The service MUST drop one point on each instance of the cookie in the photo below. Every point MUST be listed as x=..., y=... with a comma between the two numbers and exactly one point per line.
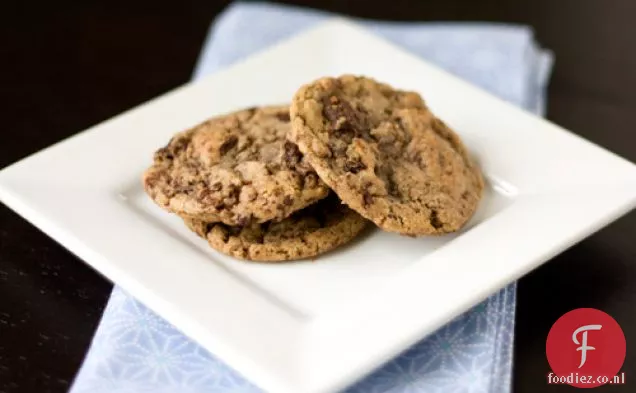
x=314, y=230
x=386, y=155
x=236, y=169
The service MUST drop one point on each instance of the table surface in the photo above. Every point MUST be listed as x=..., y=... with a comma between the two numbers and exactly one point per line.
x=67, y=68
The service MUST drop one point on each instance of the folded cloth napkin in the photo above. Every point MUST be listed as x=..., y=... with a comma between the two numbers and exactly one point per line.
x=135, y=351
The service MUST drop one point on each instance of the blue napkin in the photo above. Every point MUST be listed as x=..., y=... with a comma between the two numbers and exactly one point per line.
x=134, y=350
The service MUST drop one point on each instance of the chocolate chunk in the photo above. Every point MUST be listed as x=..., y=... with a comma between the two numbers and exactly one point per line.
x=235, y=191
x=216, y=186
x=292, y=155
x=228, y=144
x=225, y=236
x=283, y=117
x=392, y=188
x=435, y=221
x=354, y=166
x=341, y=115
x=385, y=173
x=288, y=200
x=367, y=198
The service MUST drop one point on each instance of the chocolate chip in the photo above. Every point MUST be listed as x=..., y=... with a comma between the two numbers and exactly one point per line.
x=226, y=235
x=216, y=186
x=354, y=166
x=386, y=174
x=292, y=155
x=393, y=189
x=367, y=198
x=283, y=117
x=340, y=114
x=235, y=191
x=435, y=221
x=228, y=144
x=288, y=201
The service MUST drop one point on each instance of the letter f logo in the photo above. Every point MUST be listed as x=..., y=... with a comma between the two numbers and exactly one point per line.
x=570, y=341
x=584, y=347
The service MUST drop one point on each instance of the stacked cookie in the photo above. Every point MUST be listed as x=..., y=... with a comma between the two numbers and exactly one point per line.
x=284, y=183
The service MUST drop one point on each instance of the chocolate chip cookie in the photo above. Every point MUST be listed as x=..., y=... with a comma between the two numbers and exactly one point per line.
x=386, y=155
x=236, y=169
x=314, y=230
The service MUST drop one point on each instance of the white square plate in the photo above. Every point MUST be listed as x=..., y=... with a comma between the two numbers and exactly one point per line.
x=315, y=327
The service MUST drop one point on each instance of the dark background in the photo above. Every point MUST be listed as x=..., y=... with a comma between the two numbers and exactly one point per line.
x=65, y=68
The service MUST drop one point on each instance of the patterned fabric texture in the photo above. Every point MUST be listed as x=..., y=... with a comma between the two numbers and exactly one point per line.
x=134, y=350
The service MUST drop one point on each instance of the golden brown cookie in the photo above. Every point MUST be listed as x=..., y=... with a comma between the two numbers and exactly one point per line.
x=386, y=155
x=236, y=169
x=307, y=233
